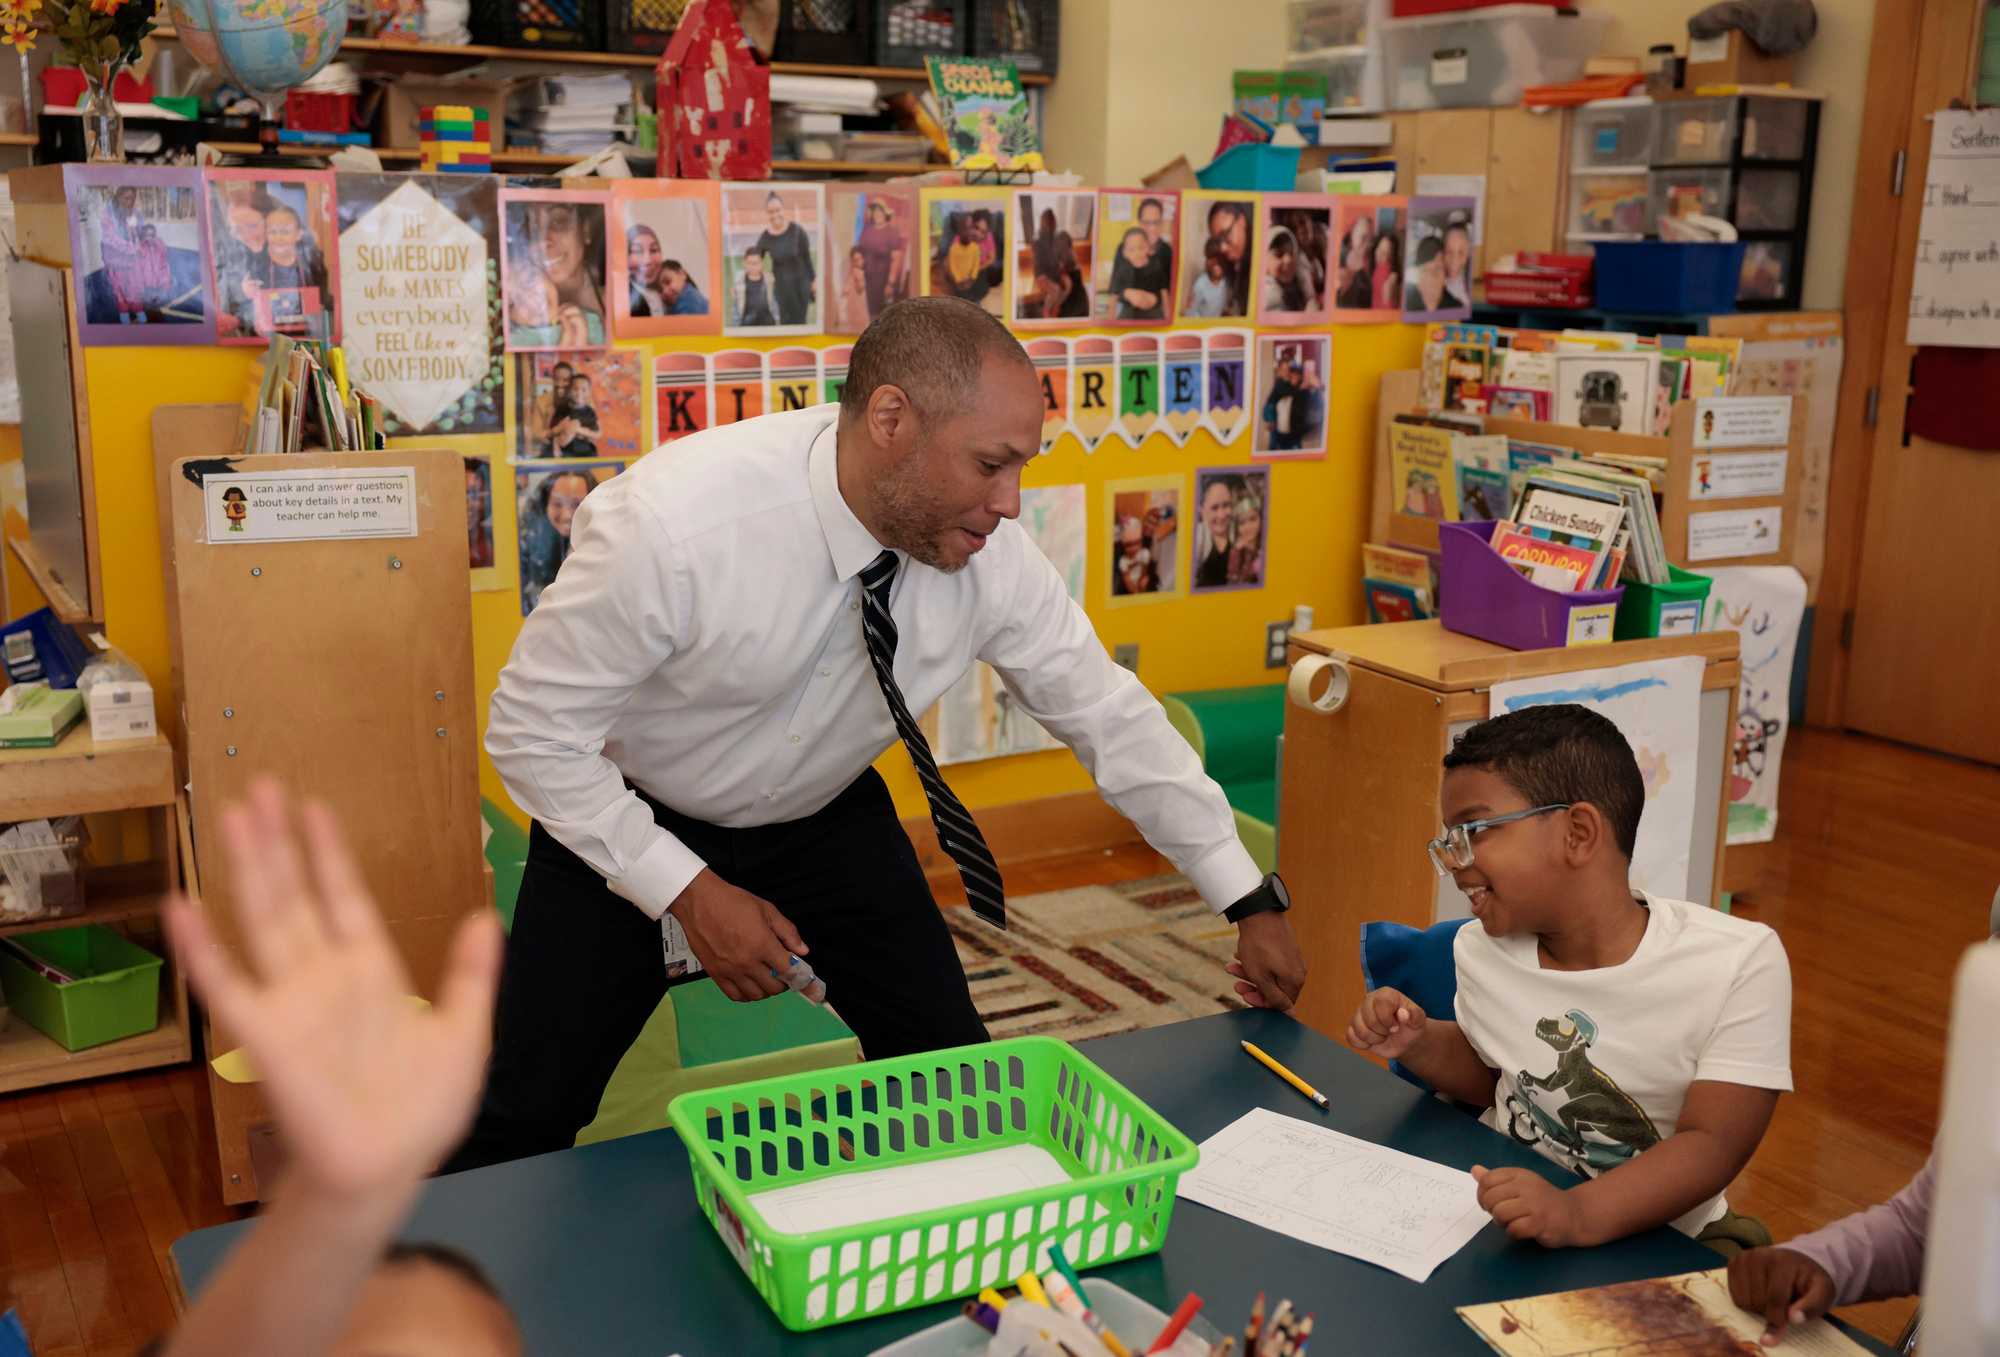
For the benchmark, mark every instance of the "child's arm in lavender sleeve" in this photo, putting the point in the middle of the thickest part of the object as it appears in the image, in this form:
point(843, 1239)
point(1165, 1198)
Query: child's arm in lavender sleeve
point(1877, 1253)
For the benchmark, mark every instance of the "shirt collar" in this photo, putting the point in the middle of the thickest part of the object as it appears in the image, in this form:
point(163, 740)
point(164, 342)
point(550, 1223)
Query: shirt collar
point(849, 544)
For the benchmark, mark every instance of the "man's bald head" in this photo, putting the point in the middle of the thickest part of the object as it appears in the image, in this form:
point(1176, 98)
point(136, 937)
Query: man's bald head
point(933, 348)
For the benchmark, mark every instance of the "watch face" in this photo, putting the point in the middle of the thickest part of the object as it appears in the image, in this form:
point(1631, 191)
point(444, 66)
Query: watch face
point(1278, 889)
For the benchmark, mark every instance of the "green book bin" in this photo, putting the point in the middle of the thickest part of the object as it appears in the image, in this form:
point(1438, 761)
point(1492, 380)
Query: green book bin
point(1123, 1160)
point(1672, 609)
point(116, 993)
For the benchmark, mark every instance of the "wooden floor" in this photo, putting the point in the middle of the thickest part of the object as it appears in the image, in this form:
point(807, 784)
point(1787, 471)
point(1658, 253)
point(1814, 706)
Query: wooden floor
point(1884, 874)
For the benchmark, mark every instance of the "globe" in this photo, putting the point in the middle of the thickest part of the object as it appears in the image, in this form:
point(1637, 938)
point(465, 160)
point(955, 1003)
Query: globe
point(264, 46)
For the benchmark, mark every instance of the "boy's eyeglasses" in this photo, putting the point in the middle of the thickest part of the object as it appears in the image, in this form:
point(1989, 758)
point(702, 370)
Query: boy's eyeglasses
point(1453, 852)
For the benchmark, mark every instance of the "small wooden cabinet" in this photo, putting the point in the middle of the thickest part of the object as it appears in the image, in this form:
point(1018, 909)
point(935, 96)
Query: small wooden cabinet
point(80, 777)
point(1359, 794)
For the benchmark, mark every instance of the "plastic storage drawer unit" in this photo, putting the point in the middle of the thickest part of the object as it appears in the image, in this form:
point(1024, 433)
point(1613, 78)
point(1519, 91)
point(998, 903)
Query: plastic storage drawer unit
point(1485, 58)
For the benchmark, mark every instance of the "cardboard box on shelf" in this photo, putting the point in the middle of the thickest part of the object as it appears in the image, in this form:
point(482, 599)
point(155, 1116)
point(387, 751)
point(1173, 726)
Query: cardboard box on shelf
point(406, 97)
point(1732, 59)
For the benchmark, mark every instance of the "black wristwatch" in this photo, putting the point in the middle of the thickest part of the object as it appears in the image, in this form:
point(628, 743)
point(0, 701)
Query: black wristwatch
point(1269, 895)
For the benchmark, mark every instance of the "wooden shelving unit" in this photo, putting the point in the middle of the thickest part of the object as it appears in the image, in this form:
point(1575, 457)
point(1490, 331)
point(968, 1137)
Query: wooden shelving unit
point(476, 52)
point(18, 139)
point(81, 777)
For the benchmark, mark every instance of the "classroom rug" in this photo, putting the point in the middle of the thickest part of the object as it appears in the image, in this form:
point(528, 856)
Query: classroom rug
point(1096, 960)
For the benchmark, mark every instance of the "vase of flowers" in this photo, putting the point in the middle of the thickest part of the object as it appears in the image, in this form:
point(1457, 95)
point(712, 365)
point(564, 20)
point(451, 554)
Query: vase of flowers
point(98, 37)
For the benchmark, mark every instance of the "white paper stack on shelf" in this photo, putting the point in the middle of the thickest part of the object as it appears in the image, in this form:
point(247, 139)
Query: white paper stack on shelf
point(571, 114)
point(826, 94)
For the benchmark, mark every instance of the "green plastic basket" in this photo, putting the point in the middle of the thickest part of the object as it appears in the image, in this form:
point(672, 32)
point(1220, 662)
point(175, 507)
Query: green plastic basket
point(1671, 609)
point(1123, 1157)
point(116, 993)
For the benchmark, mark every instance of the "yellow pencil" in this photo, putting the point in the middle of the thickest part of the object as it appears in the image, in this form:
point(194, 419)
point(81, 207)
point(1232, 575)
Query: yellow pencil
point(1286, 1075)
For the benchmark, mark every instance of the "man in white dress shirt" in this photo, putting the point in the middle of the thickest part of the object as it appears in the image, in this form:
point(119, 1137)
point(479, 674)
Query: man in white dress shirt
point(746, 621)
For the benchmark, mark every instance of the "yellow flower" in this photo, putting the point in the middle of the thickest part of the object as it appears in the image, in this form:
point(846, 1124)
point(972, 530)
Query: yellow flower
point(20, 37)
point(19, 11)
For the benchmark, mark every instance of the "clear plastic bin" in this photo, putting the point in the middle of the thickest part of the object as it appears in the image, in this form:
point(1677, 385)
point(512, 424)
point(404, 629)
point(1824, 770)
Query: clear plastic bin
point(1485, 58)
point(1602, 205)
point(1775, 129)
point(41, 872)
point(1612, 132)
point(1326, 26)
point(1694, 131)
point(1768, 200)
point(1352, 81)
point(1688, 193)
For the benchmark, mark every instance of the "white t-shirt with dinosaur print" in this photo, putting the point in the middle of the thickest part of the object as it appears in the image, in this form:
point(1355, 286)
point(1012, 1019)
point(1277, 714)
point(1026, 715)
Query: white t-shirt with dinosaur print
point(1595, 1065)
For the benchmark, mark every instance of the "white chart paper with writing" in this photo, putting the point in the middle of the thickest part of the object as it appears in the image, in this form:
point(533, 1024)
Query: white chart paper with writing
point(302, 506)
point(1351, 1196)
point(1955, 291)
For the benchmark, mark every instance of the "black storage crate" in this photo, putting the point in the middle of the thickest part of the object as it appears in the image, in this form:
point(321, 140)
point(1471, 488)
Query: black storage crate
point(826, 32)
point(570, 25)
point(907, 31)
point(1025, 32)
point(643, 25)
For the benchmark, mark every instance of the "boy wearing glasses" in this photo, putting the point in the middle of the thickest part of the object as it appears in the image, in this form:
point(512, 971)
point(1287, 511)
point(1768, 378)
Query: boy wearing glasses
point(1641, 1043)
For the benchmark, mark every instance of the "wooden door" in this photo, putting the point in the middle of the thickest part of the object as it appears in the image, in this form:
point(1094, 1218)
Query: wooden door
point(1923, 635)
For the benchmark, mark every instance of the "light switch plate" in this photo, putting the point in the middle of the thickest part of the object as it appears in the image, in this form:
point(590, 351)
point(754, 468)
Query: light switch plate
point(1126, 656)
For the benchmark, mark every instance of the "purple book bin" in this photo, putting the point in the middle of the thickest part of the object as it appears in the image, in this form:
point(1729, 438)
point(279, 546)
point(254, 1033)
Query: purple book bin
point(1483, 596)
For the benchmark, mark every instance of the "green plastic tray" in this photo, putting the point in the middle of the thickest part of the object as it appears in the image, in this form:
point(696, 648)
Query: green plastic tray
point(116, 993)
point(1125, 1160)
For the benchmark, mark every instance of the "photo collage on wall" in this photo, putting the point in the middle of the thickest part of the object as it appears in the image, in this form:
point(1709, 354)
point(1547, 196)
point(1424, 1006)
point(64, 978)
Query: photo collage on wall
point(523, 307)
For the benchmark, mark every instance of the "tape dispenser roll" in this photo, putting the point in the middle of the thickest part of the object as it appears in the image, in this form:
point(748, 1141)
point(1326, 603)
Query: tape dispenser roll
point(1319, 683)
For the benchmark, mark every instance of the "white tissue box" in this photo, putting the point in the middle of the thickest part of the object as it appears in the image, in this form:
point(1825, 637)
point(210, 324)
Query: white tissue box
point(122, 711)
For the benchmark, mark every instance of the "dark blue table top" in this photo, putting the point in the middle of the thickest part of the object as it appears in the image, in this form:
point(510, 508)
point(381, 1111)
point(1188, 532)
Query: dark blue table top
point(602, 1250)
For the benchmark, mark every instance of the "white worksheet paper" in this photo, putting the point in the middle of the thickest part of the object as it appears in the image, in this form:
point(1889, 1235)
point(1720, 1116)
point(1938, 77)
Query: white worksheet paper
point(1352, 1196)
point(877, 1194)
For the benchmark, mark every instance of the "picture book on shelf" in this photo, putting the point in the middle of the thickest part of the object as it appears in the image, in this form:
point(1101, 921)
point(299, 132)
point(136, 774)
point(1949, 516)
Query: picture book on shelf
point(1389, 601)
point(1423, 478)
point(985, 114)
point(1465, 367)
point(1398, 565)
point(1562, 566)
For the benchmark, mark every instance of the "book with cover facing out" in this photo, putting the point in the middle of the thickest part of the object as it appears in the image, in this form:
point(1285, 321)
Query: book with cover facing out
point(985, 114)
point(1422, 477)
point(1397, 565)
point(1561, 566)
point(1392, 602)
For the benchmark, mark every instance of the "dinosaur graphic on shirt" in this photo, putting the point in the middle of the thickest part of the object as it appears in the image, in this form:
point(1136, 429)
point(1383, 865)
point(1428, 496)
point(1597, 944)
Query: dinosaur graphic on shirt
point(1586, 1115)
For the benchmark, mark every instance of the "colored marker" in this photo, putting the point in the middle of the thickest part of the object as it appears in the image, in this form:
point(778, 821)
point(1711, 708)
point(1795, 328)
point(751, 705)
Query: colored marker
point(1030, 1287)
point(1181, 1318)
point(1301, 1085)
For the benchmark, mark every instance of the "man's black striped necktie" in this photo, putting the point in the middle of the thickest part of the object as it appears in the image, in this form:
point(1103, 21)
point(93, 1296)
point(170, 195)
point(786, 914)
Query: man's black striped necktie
point(958, 835)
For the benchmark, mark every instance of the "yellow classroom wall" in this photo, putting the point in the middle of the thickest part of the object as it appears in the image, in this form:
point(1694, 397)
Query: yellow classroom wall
point(1143, 81)
point(18, 593)
point(1316, 523)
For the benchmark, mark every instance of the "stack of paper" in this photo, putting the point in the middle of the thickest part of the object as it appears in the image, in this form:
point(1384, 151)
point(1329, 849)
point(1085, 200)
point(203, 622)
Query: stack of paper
point(1691, 1313)
point(571, 114)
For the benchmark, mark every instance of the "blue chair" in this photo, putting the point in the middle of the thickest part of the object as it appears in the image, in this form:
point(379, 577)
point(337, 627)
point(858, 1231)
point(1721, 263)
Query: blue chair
point(1418, 962)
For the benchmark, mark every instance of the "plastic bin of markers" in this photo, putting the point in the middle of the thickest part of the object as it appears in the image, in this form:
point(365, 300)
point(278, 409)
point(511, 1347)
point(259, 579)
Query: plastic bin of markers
point(1124, 1161)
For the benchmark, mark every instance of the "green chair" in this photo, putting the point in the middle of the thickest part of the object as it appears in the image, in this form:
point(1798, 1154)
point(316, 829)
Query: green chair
point(697, 1038)
point(1236, 733)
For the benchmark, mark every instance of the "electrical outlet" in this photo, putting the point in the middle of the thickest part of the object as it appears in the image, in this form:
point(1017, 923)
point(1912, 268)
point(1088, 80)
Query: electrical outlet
point(1277, 635)
point(1126, 656)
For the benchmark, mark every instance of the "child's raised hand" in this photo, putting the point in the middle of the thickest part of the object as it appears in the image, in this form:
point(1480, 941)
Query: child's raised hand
point(1388, 1023)
point(370, 1090)
point(1784, 1286)
point(1530, 1206)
